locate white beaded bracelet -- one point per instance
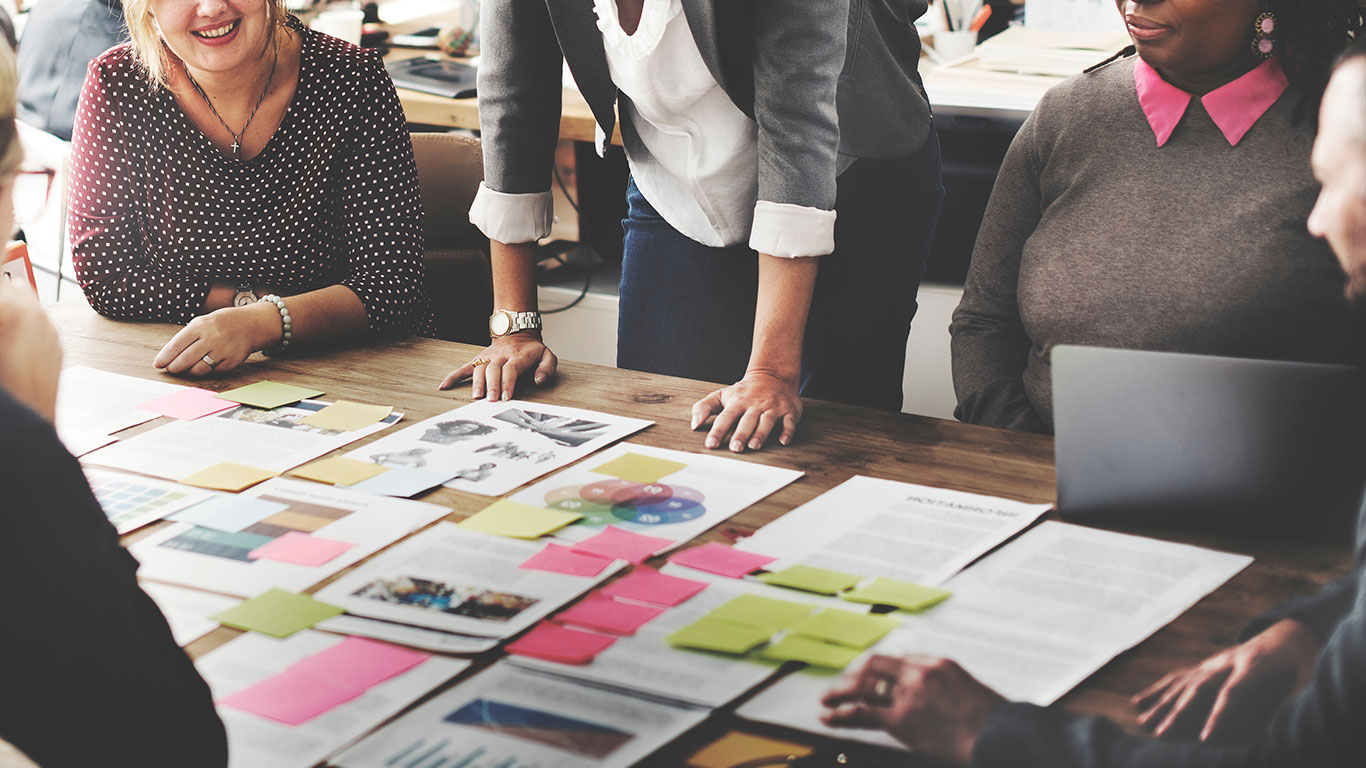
(286, 323)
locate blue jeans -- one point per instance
(688, 309)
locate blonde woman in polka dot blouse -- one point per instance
(228, 153)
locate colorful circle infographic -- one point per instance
(612, 501)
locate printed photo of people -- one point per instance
(565, 430)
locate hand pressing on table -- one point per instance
(221, 340)
(496, 370)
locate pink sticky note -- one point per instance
(290, 697)
(650, 586)
(553, 642)
(186, 404)
(301, 548)
(607, 615)
(560, 559)
(615, 543)
(359, 663)
(721, 560)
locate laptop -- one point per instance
(1207, 442)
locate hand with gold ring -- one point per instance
(221, 340)
(932, 705)
(496, 370)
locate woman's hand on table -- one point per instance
(30, 354)
(226, 336)
(496, 370)
(1263, 671)
(750, 410)
(931, 705)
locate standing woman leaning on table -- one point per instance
(228, 157)
(750, 125)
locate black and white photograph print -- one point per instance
(565, 430)
(413, 458)
(454, 431)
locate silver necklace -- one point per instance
(236, 136)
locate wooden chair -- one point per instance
(459, 278)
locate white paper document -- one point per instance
(187, 610)
(455, 580)
(516, 718)
(93, 404)
(872, 527)
(1034, 619)
(274, 440)
(131, 502)
(215, 560)
(491, 448)
(654, 491)
(405, 634)
(258, 742)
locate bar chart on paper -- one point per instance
(440, 753)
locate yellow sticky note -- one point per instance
(339, 470)
(899, 594)
(710, 635)
(520, 521)
(736, 748)
(814, 652)
(268, 394)
(228, 477)
(639, 468)
(811, 579)
(855, 630)
(763, 612)
(346, 416)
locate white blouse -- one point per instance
(692, 152)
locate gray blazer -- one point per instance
(820, 77)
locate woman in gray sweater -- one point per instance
(1159, 202)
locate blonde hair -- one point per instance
(150, 51)
(11, 151)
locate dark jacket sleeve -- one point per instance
(91, 675)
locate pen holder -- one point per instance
(953, 45)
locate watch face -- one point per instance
(244, 299)
(500, 324)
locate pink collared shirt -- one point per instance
(1234, 107)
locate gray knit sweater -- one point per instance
(1095, 235)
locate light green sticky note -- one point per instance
(711, 635)
(811, 579)
(855, 630)
(519, 521)
(339, 470)
(277, 613)
(346, 416)
(763, 612)
(639, 468)
(900, 594)
(268, 394)
(814, 652)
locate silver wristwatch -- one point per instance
(504, 322)
(245, 296)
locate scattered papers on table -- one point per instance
(269, 394)
(736, 748)
(401, 483)
(131, 502)
(413, 637)
(556, 558)
(93, 404)
(553, 642)
(763, 612)
(260, 742)
(456, 580)
(229, 513)
(607, 615)
(290, 697)
(277, 613)
(804, 577)
(648, 585)
(855, 630)
(618, 544)
(186, 404)
(346, 416)
(359, 663)
(491, 448)
(301, 548)
(219, 561)
(810, 651)
(339, 470)
(876, 527)
(722, 636)
(720, 560)
(187, 610)
(227, 476)
(898, 594)
(656, 492)
(509, 716)
(508, 518)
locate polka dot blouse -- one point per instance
(157, 213)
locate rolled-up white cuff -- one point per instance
(512, 218)
(792, 231)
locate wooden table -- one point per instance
(834, 443)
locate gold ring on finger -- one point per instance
(209, 361)
(478, 361)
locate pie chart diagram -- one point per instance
(606, 502)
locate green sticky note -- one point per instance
(268, 394)
(519, 521)
(277, 613)
(814, 652)
(346, 416)
(711, 635)
(639, 469)
(817, 580)
(900, 594)
(855, 630)
(762, 612)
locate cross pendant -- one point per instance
(235, 153)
